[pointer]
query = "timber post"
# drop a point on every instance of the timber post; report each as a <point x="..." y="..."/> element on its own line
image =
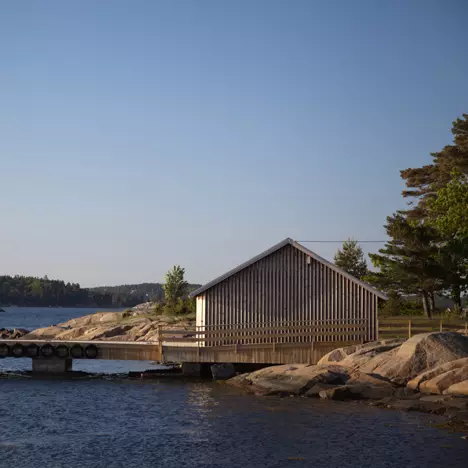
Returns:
<point x="160" y="342"/>
<point x="409" y="328"/>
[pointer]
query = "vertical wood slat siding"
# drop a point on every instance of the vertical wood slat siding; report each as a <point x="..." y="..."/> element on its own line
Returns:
<point x="286" y="286"/>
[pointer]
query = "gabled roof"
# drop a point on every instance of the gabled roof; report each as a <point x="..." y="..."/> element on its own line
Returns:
<point x="280" y="245"/>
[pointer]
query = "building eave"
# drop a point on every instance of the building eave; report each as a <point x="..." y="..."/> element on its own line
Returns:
<point x="274" y="248"/>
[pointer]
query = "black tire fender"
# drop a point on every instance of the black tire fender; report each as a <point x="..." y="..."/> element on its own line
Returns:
<point x="17" y="350"/>
<point x="32" y="350"/>
<point x="91" y="351"/>
<point x="47" y="350"/>
<point x="4" y="350"/>
<point x="62" y="351"/>
<point x="76" y="351"/>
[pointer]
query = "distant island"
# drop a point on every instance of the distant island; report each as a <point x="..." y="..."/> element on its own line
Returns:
<point x="29" y="291"/>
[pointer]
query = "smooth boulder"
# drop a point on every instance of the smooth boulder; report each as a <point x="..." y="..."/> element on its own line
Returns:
<point x="337" y="393"/>
<point x="294" y="379"/>
<point x="460" y="388"/>
<point x="421" y="353"/>
<point x="359" y="354"/>
<point x="436" y="371"/>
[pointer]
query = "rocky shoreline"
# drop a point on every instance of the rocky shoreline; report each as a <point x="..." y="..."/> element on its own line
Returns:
<point x="136" y="324"/>
<point x="427" y="373"/>
<point x="12" y="334"/>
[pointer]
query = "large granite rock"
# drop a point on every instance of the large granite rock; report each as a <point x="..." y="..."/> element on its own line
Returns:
<point x="294" y="379"/>
<point x="317" y="388"/>
<point x="338" y="355"/>
<point x="460" y="388"/>
<point x="48" y="333"/>
<point x="421" y="353"/>
<point x="440" y="378"/>
<point x="374" y="370"/>
<point x="357" y="355"/>
<point x="367" y="360"/>
<point x="436" y="371"/>
<point x="12" y="334"/>
<point x="337" y="393"/>
<point x="133" y="325"/>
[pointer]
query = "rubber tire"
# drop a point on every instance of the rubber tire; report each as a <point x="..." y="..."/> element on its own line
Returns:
<point x="18" y="351"/>
<point x="32" y="350"/>
<point x="49" y="350"/>
<point x="77" y="351"/>
<point x="4" y="350"/>
<point x="91" y="352"/>
<point x="62" y="351"/>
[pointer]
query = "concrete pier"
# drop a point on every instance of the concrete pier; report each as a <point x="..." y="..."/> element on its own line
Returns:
<point x="191" y="369"/>
<point x="51" y="366"/>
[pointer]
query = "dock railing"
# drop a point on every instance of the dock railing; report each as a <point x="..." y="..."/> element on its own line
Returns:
<point x="268" y="333"/>
<point x="397" y="327"/>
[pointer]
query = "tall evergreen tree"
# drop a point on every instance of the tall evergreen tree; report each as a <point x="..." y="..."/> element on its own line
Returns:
<point x="423" y="182"/>
<point x="409" y="262"/>
<point x="425" y="185"/>
<point x="351" y="259"/>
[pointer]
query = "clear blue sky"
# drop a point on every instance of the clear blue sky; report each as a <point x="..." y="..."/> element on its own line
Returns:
<point x="139" y="134"/>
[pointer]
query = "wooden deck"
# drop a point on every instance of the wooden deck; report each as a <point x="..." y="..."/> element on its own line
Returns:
<point x="278" y="343"/>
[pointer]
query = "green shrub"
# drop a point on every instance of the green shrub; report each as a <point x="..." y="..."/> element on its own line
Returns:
<point x="158" y="309"/>
<point x="127" y="313"/>
<point x="395" y="306"/>
<point x="181" y="307"/>
<point x="411" y="308"/>
<point x="392" y="306"/>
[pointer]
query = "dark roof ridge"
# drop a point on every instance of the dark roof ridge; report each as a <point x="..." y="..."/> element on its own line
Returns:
<point x="274" y="248"/>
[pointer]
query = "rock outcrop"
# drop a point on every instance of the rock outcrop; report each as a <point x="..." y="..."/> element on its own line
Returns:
<point x="138" y="324"/>
<point x="460" y="388"/>
<point x="9" y="334"/>
<point x="360" y="354"/>
<point x="290" y="379"/>
<point x="431" y="363"/>
<point x="421" y="353"/>
<point x="400" y="361"/>
<point x="439" y="379"/>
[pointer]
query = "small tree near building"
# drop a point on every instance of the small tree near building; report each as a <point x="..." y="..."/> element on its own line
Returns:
<point x="176" y="286"/>
<point x="351" y="259"/>
<point x="175" y="293"/>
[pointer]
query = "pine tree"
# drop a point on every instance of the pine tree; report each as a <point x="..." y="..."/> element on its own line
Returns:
<point x="423" y="182"/>
<point x="351" y="259"/>
<point x="409" y="262"/>
<point x="438" y="198"/>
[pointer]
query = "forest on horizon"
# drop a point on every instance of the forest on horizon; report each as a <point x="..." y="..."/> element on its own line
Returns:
<point x="30" y="291"/>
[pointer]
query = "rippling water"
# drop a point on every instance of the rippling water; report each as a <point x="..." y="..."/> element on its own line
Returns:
<point x="171" y="423"/>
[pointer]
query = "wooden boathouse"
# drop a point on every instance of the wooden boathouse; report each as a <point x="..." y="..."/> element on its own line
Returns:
<point x="285" y="285"/>
<point x="286" y="305"/>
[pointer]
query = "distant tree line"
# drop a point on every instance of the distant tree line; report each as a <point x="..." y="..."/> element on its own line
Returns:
<point x="37" y="292"/>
